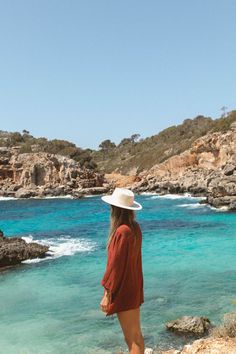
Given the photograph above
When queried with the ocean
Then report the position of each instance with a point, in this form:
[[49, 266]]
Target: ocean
[[51, 306]]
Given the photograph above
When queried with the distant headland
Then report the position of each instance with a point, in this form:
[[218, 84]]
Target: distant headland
[[196, 157]]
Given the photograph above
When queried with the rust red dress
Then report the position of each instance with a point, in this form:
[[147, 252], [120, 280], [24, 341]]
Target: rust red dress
[[123, 276]]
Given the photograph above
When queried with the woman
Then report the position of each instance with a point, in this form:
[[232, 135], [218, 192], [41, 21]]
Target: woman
[[123, 278]]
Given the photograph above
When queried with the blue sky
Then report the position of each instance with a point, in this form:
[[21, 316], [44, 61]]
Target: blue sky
[[96, 69]]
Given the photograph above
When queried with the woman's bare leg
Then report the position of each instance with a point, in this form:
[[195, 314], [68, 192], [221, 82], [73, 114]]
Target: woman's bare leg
[[130, 324]]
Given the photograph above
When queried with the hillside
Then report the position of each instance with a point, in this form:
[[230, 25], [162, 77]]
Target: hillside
[[29, 144], [208, 168], [132, 157]]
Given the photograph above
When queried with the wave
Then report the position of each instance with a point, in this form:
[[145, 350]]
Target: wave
[[61, 246], [172, 196], [7, 198], [91, 195], [191, 205], [177, 196], [198, 205], [68, 196], [221, 209]]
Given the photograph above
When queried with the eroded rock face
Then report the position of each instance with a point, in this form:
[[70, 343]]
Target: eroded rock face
[[189, 324], [41, 174], [208, 169], [15, 250]]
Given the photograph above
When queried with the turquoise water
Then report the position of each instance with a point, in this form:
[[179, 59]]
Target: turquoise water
[[52, 306]]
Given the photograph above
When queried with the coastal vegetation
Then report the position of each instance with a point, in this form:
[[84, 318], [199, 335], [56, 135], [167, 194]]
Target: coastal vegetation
[[135, 154], [29, 144]]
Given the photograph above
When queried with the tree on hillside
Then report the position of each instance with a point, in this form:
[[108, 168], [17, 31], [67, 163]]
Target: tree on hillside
[[107, 145], [16, 138], [134, 138], [125, 141], [24, 131], [224, 111]]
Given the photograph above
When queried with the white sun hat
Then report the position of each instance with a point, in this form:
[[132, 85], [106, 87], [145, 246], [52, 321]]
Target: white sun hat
[[122, 198]]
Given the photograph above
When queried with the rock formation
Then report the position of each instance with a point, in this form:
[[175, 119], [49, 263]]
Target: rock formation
[[192, 325], [13, 250], [208, 346], [42, 174], [208, 168]]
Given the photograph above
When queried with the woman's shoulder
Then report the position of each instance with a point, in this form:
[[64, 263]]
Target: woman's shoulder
[[126, 229]]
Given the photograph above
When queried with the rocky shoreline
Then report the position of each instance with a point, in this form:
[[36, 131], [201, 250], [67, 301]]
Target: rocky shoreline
[[26, 175], [204, 338], [14, 250], [208, 170]]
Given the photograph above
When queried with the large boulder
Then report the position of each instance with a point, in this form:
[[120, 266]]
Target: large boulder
[[227, 202], [229, 169], [14, 250], [25, 193], [189, 324]]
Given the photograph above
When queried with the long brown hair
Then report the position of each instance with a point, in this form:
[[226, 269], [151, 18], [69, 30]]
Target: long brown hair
[[118, 217]]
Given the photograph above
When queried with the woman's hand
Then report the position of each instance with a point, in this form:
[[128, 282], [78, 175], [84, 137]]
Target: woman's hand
[[105, 301]]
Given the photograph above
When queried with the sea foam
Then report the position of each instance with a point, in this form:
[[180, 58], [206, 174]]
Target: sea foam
[[176, 196], [61, 246], [7, 198], [191, 205]]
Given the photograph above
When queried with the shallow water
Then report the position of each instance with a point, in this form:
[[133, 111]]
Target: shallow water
[[52, 305]]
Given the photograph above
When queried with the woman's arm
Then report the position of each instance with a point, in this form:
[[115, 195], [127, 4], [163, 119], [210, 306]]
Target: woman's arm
[[118, 252]]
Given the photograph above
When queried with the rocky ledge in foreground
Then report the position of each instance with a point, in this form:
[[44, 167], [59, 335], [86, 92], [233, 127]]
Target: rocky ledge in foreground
[[208, 346], [202, 346], [14, 250]]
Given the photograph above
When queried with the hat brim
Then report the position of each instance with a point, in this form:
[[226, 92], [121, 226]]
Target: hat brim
[[108, 199]]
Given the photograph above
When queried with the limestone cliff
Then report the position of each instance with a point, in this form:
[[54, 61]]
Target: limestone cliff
[[42, 174], [208, 168]]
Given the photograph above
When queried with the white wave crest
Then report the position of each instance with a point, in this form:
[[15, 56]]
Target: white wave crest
[[221, 209], [176, 196], [7, 198], [172, 196], [67, 196], [61, 246], [191, 205]]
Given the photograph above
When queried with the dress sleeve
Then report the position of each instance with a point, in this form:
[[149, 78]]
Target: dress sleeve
[[117, 256]]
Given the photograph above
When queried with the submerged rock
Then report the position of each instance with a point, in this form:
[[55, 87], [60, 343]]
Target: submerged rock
[[188, 324], [14, 250]]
